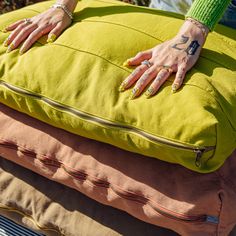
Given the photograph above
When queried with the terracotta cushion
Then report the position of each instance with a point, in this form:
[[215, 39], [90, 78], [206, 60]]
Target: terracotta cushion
[[73, 84], [157, 192]]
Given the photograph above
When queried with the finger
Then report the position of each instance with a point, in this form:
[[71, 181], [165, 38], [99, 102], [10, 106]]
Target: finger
[[33, 37], [141, 56], [55, 32], [179, 78], [21, 37], [161, 77], [14, 25], [132, 78], [144, 80], [13, 35]]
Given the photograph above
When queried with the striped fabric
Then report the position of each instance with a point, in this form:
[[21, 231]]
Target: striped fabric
[[9, 228]]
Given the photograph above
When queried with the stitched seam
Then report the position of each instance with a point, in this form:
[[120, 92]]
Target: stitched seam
[[215, 99], [209, 59], [227, 181], [219, 226], [115, 189], [93, 54], [124, 26], [101, 183], [130, 129]]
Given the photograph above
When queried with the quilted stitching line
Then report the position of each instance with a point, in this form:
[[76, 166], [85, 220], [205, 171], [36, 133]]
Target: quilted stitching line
[[91, 53], [124, 26]]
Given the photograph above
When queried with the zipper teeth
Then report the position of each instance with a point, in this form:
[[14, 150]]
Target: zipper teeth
[[127, 195], [104, 122], [182, 218]]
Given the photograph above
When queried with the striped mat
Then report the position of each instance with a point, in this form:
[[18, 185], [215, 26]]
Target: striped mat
[[10, 228]]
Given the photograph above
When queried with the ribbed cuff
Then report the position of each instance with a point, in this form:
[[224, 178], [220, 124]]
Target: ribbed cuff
[[208, 12]]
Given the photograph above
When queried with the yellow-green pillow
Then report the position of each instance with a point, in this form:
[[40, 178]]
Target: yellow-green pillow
[[73, 84]]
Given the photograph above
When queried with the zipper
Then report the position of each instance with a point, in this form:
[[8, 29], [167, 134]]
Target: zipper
[[188, 218], [82, 176], [199, 151]]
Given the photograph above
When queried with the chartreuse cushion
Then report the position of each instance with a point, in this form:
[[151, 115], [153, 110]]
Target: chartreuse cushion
[[73, 84]]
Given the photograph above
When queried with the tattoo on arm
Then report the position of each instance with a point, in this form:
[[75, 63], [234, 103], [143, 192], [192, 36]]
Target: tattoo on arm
[[183, 40]]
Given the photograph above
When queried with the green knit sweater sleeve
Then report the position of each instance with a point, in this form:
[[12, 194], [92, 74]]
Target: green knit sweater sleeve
[[208, 12]]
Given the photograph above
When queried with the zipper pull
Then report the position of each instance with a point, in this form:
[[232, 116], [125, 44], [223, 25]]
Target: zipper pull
[[199, 153], [212, 219]]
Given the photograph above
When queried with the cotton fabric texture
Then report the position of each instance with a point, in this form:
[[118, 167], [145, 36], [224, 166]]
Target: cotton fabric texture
[[153, 191], [56, 210], [73, 84]]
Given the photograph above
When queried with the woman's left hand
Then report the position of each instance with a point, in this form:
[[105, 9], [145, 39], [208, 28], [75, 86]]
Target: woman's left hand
[[157, 64]]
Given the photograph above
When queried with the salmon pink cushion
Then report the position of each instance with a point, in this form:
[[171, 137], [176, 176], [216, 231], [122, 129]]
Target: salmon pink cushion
[[157, 192], [73, 84]]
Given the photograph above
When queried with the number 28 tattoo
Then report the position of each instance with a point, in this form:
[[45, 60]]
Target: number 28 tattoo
[[192, 47]]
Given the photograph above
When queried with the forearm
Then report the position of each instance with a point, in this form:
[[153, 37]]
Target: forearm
[[208, 12]]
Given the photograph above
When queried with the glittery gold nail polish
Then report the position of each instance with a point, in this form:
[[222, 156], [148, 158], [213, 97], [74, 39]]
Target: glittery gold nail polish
[[4, 30], [174, 88], [5, 43], [10, 47], [149, 92], [122, 86], [52, 38], [126, 63], [22, 51], [134, 93]]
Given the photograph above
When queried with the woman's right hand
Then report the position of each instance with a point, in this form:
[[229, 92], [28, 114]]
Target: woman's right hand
[[52, 22]]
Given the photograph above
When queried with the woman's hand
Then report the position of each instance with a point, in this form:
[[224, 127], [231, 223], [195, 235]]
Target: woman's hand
[[52, 22], [155, 65]]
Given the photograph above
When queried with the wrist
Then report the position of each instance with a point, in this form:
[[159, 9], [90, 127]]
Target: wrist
[[70, 4], [195, 30], [204, 29]]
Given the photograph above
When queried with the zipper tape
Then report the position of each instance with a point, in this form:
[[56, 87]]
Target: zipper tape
[[83, 115]]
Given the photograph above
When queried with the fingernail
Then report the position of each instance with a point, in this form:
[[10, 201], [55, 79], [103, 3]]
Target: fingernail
[[22, 51], [10, 48], [126, 63], [122, 86], [5, 43], [134, 92], [52, 38], [4, 30], [174, 88], [149, 92]]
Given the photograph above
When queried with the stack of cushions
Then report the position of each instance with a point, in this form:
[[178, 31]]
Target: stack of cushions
[[154, 191], [72, 85]]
